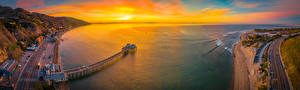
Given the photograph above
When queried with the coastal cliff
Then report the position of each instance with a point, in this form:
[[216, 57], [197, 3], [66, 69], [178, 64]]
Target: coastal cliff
[[20, 28], [252, 65], [243, 58]]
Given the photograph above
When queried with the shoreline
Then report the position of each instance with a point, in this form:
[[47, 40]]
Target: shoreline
[[62, 85], [231, 87], [241, 73], [57, 58]]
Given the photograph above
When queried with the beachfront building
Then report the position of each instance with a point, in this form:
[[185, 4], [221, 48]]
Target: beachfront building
[[39, 39], [54, 68], [32, 47], [8, 67], [56, 77], [266, 34]]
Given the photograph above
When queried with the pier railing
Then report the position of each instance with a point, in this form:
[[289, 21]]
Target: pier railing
[[84, 70]]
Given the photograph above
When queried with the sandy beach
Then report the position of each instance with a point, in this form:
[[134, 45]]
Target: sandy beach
[[241, 79]]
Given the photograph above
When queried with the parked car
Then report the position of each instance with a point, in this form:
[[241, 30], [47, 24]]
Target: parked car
[[19, 65]]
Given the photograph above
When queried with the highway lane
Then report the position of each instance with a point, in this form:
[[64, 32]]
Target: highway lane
[[279, 80], [30, 73], [22, 62]]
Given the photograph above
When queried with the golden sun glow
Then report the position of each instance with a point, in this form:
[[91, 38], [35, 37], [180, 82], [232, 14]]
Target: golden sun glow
[[127, 17], [102, 11]]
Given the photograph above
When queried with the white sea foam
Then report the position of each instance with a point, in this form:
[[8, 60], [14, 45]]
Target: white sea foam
[[228, 49]]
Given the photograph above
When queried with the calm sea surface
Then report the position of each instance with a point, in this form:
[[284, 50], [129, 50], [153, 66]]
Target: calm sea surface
[[168, 56]]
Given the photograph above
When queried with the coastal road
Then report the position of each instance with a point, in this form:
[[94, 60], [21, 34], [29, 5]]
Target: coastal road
[[279, 79], [260, 53], [30, 73], [23, 62], [15, 77]]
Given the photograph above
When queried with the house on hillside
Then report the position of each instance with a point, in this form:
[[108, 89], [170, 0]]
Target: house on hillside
[[266, 34]]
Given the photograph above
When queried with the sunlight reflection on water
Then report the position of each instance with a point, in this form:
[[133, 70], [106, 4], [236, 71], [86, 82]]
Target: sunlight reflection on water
[[168, 56]]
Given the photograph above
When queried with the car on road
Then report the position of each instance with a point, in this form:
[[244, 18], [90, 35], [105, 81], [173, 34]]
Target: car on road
[[28, 57], [38, 65], [43, 71], [19, 65]]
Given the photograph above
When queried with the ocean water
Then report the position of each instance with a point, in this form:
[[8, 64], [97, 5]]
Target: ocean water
[[179, 56]]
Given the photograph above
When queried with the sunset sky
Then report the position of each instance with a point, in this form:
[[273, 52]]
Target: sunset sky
[[200, 11]]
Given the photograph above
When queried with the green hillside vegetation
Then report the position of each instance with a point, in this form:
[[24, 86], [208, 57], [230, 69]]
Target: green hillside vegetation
[[290, 52], [258, 38], [20, 28]]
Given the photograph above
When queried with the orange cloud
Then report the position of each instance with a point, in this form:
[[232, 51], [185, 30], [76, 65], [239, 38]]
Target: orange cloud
[[158, 11], [162, 11], [137, 10]]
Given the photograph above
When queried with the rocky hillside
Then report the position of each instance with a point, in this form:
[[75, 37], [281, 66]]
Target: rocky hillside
[[19, 28]]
